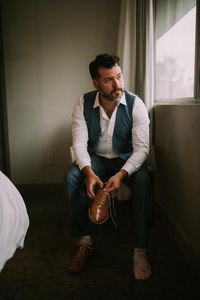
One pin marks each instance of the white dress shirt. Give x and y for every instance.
(140, 134)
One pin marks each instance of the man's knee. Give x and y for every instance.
(72, 175)
(142, 175)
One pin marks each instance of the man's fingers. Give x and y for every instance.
(90, 192)
(111, 186)
(100, 183)
(90, 195)
(107, 186)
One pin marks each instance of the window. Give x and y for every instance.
(175, 50)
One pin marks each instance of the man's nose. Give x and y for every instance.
(115, 83)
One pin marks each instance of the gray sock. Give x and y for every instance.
(86, 239)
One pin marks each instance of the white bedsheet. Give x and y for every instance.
(14, 220)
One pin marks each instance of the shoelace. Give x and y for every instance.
(103, 197)
(112, 211)
(83, 250)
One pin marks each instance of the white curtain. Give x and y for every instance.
(136, 48)
(136, 51)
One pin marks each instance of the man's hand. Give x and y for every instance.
(114, 183)
(92, 181)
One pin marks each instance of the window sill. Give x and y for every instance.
(186, 101)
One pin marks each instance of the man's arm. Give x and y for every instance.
(80, 136)
(140, 137)
(79, 144)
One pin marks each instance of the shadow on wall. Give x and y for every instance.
(48, 164)
(56, 159)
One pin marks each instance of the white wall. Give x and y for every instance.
(48, 45)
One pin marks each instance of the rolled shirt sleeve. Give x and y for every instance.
(80, 136)
(140, 137)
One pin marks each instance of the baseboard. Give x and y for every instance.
(187, 250)
(29, 191)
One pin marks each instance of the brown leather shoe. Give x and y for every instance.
(80, 258)
(99, 209)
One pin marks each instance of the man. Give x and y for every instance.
(110, 131)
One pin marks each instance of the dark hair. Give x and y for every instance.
(102, 60)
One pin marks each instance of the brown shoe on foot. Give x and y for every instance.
(80, 258)
(99, 209)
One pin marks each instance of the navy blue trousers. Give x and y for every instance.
(139, 184)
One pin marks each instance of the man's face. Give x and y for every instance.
(110, 83)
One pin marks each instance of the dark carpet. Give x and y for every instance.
(38, 271)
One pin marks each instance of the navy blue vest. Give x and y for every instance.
(122, 135)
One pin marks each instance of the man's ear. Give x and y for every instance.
(96, 83)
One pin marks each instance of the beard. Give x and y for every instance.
(114, 95)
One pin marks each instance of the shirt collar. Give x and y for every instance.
(97, 103)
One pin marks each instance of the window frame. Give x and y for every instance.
(197, 54)
(196, 98)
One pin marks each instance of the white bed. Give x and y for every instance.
(14, 220)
